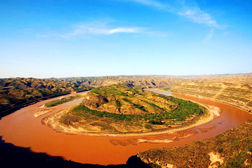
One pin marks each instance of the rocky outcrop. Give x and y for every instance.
(94, 101)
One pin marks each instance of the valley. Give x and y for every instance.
(142, 122)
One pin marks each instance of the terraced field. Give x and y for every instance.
(238, 95)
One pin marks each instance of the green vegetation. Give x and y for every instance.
(233, 146)
(166, 89)
(62, 100)
(147, 126)
(127, 107)
(220, 150)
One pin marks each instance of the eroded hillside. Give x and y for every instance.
(229, 78)
(235, 94)
(16, 93)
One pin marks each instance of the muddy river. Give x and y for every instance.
(22, 129)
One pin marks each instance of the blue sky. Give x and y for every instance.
(72, 38)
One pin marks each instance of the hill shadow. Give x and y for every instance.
(12, 156)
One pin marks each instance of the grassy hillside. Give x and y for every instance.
(233, 149)
(122, 109)
(127, 100)
(235, 94)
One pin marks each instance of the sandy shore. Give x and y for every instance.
(53, 122)
(42, 112)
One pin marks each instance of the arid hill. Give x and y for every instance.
(229, 78)
(231, 149)
(140, 81)
(235, 94)
(16, 93)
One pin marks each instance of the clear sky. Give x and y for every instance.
(72, 38)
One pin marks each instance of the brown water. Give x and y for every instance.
(23, 129)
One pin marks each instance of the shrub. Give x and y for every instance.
(147, 126)
(220, 150)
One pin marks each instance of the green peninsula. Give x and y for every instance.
(121, 109)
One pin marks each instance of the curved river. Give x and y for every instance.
(23, 129)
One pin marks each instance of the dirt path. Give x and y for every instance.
(220, 92)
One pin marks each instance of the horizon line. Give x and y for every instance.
(225, 74)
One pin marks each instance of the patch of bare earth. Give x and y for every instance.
(42, 112)
(216, 160)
